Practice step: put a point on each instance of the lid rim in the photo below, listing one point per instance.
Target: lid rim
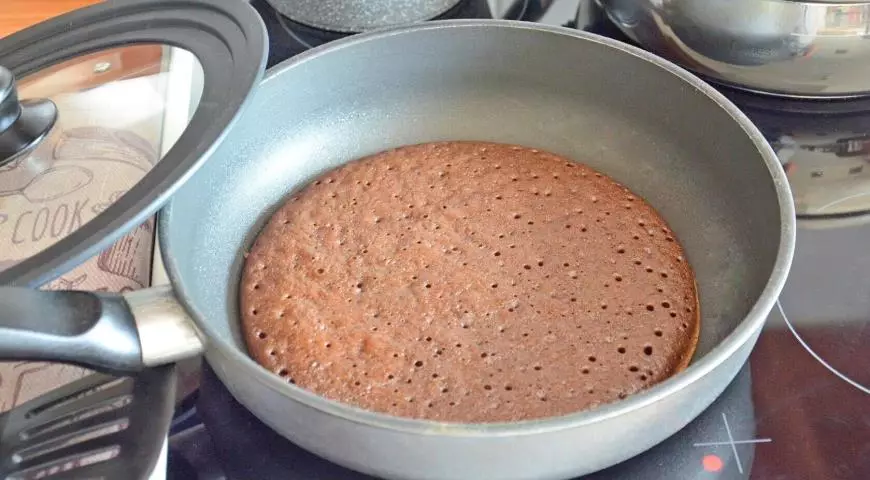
(228, 39)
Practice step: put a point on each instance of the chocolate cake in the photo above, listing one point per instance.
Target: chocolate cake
(469, 282)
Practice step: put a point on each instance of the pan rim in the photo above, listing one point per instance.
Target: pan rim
(743, 333)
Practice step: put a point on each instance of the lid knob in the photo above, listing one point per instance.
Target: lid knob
(23, 124)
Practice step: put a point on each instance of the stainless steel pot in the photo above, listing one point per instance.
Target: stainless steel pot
(661, 131)
(784, 47)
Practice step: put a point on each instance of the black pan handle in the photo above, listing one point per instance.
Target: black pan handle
(90, 329)
(107, 332)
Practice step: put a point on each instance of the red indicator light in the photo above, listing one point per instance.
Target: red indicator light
(712, 463)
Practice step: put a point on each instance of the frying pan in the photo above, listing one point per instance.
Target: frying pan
(640, 119)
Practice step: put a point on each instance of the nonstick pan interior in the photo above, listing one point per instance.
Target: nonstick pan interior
(542, 88)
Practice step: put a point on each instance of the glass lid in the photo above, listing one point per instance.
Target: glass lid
(97, 131)
(94, 126)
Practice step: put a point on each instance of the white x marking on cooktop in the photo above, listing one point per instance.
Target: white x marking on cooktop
(733, 442)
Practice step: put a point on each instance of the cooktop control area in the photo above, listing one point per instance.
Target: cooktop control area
(800, 409)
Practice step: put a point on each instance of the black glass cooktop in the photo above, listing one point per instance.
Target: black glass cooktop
(800, 409)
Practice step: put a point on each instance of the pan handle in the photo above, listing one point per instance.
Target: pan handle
(107, 332)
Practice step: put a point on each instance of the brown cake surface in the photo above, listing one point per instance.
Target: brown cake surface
(469, 282)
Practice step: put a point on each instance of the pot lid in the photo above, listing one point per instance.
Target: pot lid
(104, 113)
(355, 16)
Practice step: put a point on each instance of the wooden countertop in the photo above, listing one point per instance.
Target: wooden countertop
(20, 14)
